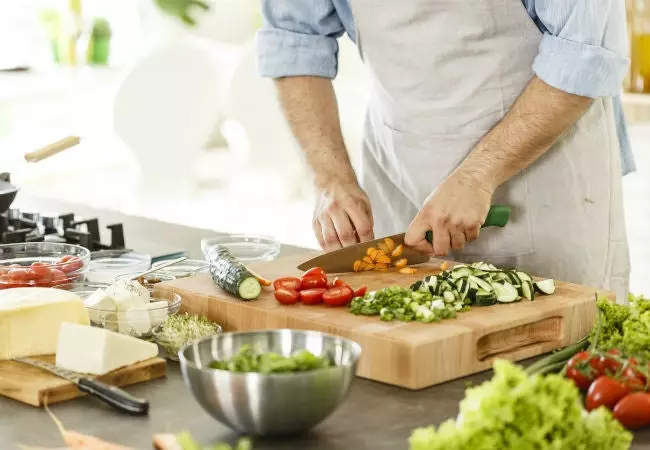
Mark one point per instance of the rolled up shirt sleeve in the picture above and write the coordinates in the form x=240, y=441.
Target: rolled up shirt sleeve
x=299, y=38
x=585, y=50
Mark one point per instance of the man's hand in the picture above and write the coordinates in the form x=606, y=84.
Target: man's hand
x=454, y=212
x=342, y=217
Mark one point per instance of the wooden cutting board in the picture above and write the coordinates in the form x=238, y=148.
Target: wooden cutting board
x=32, y=385
x=412, y=355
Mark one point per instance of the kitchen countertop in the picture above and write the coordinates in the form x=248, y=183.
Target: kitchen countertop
x=374, y=416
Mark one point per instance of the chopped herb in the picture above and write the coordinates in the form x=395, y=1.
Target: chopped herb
x=248, y=360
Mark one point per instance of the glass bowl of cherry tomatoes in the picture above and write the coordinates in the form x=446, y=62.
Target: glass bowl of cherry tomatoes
x=42, y=264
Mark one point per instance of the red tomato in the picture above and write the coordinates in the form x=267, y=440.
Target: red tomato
x=633, y=379
x=291, y=283
x=69, y=263
x=338, y=283
x=338, y=296
x=41, y=269
x=22, y=275
x=633, y=411
x=605, y=391
x=58, y=277
x=312, y=296
x=313, y=282
x=361, y=291
x=578, y=370
x=609, y=366
x=286, y=296
x=315, y=271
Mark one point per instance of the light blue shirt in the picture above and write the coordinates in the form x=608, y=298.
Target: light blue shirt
x=584, y=49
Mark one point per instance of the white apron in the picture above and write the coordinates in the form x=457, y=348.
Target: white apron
x=443, y=73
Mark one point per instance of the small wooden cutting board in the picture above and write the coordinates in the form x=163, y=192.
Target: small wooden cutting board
x=32, y=385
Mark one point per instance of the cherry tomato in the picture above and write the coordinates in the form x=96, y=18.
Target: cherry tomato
x=291, y=283
x=361, y=291
x=69, y=263
x=286, y=296
x=605, y=391
x=609, y=365
x=58, y=277
x=633, y=411
x=315, y=271
x=338, y=296
x=22, y=275
x=633, y=379
x=312, y=296
x=313, y=282
x=578, y=370
x=338, y=283
x=41, y=269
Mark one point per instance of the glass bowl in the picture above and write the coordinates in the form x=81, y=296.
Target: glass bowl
x=140, y=323
x=42, y=264
x=187, y=268
x=245, y=247
x=108, y=265
x=149, y=280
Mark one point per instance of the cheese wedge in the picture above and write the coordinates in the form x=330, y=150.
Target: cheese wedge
x=96, y=351
x=30, y=319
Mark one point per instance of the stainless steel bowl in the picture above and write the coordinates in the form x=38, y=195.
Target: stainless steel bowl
x=270, y=404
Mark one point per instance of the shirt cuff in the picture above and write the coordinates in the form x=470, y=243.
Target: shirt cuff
x=580, y=69
x=282, y=53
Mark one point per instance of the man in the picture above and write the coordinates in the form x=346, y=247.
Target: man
x=472, y=104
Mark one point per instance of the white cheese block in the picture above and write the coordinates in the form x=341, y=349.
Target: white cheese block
x=158, y=312
x=124, y=290
x=30, y=318
x=97, y=351
x=135, y=322
x=101, y=306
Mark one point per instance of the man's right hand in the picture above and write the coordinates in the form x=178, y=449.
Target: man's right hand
x=342, y=217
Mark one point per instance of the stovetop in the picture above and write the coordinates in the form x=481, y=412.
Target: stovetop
x=18, y=226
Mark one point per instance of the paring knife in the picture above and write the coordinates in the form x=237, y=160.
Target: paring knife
x=340, y=261
x=111, y=395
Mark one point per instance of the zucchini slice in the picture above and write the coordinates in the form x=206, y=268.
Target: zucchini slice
x=527, y=290
x=485, y=298
x=546, y=286
x=482, y=284
x=505, y=293
x=523, y=276
x=231, y=275
x=460, y=272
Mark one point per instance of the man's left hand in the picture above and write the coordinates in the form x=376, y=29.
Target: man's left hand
x=455, y=212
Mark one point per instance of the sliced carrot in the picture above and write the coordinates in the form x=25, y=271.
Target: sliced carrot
x=390, y=244
x=383, y=247
x=408, y=270
x=357, y=266
x=398, y=251
x=371, y=252
x=400, y=263
x=381, y=266
x=368, y=260
x=367, y=266
x=383, y=259
x=444, y=265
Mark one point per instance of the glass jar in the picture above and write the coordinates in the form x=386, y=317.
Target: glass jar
x=638, y=13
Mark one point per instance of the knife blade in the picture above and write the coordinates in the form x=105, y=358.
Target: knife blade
x=341, y=260
x=111, y=395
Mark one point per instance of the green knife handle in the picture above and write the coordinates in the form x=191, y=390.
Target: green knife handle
x=497, y=216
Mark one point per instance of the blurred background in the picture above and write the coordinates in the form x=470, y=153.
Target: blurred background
x=176, y=125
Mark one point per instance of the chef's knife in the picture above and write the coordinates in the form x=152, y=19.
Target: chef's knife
x=111, y=395
x=341, y=261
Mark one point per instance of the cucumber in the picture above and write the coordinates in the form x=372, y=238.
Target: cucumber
x=523, y=276
x=485, y=298
x=482, y=284
x=449, y=297
x=513, y=278
x=545, y=286
x=461, y=272
x=505, y=293
x=418, y=285
x=231, y=275
x=527, y=290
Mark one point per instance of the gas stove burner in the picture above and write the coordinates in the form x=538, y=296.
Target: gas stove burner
x=17, y=226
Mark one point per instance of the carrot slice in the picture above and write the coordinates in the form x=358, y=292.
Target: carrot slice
x=381, y=266
x=383, y=247
x=398, y=251
x=367, y=266
x=371, y=252
x=408, y=270
x=356, y=266
x=400, y=263
x=444, y=265
x=368, y=259
x=390, y=244
x=383, y=259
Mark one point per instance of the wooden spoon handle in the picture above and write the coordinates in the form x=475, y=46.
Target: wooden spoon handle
x=52, y=149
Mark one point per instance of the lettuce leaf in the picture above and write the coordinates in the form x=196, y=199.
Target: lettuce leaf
x=513, y=410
